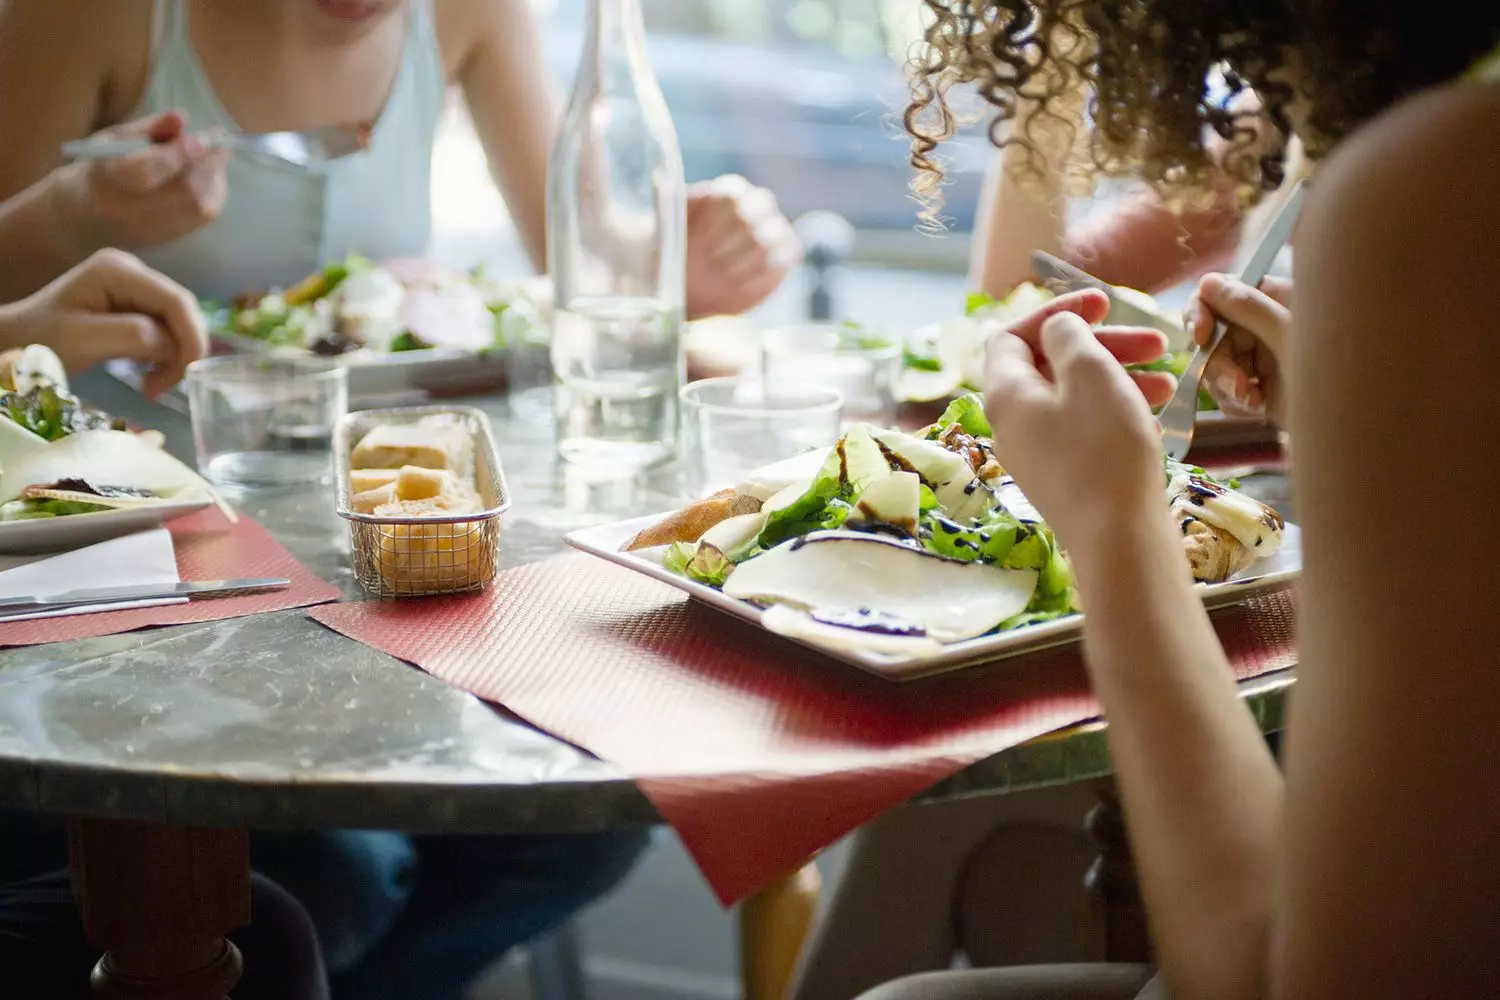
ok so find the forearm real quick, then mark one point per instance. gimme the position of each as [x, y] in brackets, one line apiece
[38, 238]
[1023, 210]
[1203, 798]
[1146, 245]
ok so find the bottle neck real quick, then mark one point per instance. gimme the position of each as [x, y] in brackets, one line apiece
[616, 38]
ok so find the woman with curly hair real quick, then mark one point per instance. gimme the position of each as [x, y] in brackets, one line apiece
[1371, 868]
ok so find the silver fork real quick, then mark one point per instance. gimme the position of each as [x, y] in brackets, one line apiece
[1179, 418]
[318, 145]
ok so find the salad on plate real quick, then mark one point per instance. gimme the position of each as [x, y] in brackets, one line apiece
[363, 309]
[62, 458]
[900, 543]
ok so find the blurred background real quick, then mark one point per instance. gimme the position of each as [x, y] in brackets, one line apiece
[801, 97]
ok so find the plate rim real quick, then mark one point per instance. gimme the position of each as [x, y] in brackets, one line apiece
[984, 649]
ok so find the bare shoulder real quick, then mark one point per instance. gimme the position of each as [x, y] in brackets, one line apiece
[464, 27]
[1426, 170]
[105, 44]
[1402, 221]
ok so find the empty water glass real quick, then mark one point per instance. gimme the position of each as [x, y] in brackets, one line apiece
[732, 425]
[266, 421]
[862, 366]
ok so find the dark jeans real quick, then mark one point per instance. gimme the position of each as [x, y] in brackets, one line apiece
[400, 916]
[43, 954]
[421, 917]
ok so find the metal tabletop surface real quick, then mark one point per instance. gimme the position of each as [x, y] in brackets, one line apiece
[275, 722]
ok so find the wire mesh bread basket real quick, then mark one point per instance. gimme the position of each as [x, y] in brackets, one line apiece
[418, 556]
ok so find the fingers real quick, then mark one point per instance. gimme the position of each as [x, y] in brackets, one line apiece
[1014, 388]
[163, 126]
[131, 287]
[146, 170]
[1089, 304]
[1156, 387]
[1279, 289]
[1073, 351]
[1131, 345]
[1080, 360]
[1248, 308]
[206, 184]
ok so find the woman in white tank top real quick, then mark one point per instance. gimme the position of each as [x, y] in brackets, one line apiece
[222, 223]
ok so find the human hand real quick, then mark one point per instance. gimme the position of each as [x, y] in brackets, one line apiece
[739, 246]
[146, 198]
[1071, 424]
[1244, 374]
[112, 306]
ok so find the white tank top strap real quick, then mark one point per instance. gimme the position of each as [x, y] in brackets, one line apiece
[423, 48]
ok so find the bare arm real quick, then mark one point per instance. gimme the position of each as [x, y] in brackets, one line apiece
[1392, 860]
[1202, 795]
[55, 74]
[1141, 244]
[1019, 211]
[504, 79]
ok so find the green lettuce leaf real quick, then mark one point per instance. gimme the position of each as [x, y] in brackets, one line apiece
[1032, 618]
[968, 412]
[828, 502]
[921, 362]
[978, 301]
[677, 556]
[709, 566]
[989, 540]
[1176, 364]
[35, 510]
[334, 274]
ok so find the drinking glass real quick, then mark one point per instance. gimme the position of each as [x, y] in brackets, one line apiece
[266, 421]
[863, 367]
[731, 425]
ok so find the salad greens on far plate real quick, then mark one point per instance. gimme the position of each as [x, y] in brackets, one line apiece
[955, 347]
[359, 305]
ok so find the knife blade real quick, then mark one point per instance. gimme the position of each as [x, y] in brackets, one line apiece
[138, 592]
[1122, 311]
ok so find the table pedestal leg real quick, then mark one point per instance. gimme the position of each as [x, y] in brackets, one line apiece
[1119, 913]
[158, 900]
[773, 925]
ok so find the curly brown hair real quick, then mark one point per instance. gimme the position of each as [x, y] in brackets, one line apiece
[1146, 64]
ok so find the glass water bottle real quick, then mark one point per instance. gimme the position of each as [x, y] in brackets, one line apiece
[616, 234]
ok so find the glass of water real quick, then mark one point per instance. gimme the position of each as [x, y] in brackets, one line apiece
[617, 368]
[266, 421]
[732, 425]
[862, 366]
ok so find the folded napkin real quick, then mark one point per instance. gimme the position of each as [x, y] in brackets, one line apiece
[145, 557]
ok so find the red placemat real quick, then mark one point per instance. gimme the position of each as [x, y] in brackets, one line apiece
[760, 753]
[208, 547]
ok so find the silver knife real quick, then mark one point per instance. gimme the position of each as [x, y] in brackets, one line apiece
[1122, 311]
[136, 592]
[1179, 417]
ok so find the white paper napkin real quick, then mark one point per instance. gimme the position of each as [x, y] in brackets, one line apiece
[145, 557]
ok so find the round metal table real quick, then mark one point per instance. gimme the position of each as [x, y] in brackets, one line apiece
[167, 744]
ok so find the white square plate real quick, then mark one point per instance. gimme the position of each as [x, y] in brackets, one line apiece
[74, 531]
[605, 540]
